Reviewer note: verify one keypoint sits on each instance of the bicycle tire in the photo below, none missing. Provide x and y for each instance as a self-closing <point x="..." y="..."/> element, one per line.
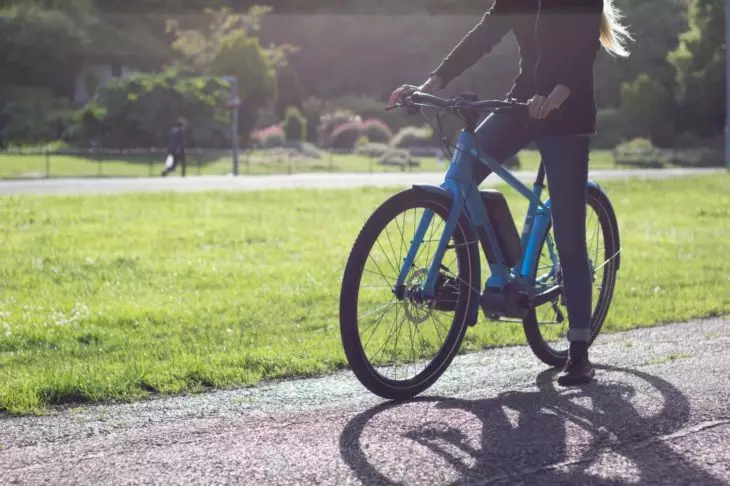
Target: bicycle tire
<point x="467" y="257"/>
<point x="599" y="202"/>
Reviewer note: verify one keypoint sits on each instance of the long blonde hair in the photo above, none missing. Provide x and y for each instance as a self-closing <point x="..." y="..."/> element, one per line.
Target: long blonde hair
<point x="614" y="34"/>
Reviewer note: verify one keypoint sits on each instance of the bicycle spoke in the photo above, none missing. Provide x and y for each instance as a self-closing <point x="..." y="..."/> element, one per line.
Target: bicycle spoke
<point x="377" y="325"/>
<point x="388" y="259"/>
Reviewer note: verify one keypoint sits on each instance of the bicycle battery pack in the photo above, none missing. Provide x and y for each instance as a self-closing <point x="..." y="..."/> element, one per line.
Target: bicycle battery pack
<point x="504" y="226"/>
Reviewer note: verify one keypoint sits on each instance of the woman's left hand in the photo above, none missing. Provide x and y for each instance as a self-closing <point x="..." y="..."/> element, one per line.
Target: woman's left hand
<point x="542" y="106"/>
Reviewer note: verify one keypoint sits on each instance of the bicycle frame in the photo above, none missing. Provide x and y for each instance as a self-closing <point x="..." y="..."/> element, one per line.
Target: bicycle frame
<point x="460" y="186"/>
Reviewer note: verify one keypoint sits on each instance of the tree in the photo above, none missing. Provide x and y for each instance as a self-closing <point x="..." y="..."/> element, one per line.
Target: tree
<point x="295" y="125"/>
<point x="288" y="91"/>
<point x="138" y="111"/>
<point x="229" y="46"/>
<point x="42" y="48"/>
<point x="649" y="107"/>
<point x="700" y="66"/>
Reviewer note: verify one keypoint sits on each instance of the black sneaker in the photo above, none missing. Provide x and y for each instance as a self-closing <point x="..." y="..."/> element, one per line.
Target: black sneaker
<point x="577" y="372"/>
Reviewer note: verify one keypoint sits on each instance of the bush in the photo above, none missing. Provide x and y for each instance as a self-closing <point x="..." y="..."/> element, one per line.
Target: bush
<point x="269" y="137"/>
<point x="295" y="126"/>
<point x="312" y="110"/>
<point x="639" y="152"/>
<point x="138" y="111"/>
<point x="614" y="126"/>
<point x="398" y="158"/>
<point x="410" y="137"/>
<point x="377" y="131"/>
<point x="31" y="116"/>
<point x="330" y="122"/>
<point x="371" y="149"/>
<point x="650" y="106"/>
<point x="346" y="135"/>
<point x="369" y="108"/>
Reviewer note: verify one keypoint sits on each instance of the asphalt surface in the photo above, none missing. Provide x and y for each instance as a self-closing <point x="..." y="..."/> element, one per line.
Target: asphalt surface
<point x="313" y="180"/>
<point x="659" y="413"/>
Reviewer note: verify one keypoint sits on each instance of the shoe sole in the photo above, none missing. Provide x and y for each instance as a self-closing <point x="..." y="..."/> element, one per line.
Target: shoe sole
<point x="568" y="381"/>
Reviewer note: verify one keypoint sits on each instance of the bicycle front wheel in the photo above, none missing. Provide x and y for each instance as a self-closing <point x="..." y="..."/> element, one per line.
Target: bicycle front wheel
<point x="396" y="345"/>
<point x="546" y="327"/>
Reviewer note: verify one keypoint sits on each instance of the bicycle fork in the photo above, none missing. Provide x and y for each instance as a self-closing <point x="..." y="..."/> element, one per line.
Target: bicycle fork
<point x="428" y="288"/>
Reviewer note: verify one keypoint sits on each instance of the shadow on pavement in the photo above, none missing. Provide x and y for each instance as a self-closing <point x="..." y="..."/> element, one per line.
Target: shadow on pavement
<point x="602" y="434"/>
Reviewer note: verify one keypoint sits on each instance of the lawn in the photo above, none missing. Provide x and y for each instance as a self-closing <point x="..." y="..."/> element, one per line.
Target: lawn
<point x="118" y="297"/>
<point x="33" y="166"/>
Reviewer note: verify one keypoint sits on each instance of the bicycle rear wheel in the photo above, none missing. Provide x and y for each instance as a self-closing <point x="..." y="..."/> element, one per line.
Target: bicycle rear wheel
<point x="399" y="346"/>
<point x="546" y="327"/>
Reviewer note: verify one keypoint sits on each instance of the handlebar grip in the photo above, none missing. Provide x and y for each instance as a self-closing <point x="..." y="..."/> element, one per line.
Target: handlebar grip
<point x="420" y="97"/>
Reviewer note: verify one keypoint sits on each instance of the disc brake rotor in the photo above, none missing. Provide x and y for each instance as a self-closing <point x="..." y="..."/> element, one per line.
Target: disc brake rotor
<point x="417" y="310"/>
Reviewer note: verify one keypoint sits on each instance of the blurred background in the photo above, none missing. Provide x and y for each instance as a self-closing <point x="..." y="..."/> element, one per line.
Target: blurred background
<point x="93" y="87"/>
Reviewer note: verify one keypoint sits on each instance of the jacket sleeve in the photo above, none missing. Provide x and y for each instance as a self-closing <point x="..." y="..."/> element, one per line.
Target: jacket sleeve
<point x="577" y="30"/>
<point x="494" y="25"/>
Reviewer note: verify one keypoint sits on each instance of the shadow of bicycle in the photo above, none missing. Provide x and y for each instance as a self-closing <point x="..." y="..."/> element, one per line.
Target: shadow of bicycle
<point x="606" y="433"/>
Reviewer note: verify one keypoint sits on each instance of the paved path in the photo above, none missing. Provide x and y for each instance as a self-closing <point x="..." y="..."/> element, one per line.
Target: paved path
<point x="312" y="180"/>
<point x="658" y="414"/>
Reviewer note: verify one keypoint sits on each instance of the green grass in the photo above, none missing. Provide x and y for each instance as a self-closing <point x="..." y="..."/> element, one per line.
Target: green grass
<point x="31" y="166"/>
<point x="117" y="297"/>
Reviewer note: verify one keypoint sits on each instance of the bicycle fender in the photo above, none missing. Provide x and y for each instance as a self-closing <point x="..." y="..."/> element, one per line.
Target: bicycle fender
<point x="473" y="315"/>
<point x="432" y="189"/>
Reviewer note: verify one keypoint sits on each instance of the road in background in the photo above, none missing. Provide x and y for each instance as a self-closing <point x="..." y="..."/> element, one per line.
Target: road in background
<point x="309" y="180"/>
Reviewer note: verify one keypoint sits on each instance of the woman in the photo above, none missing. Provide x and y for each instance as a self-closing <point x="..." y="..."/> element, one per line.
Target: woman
<point x="558" y="41"/>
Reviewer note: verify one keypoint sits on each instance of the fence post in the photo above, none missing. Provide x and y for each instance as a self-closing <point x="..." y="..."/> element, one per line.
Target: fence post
<point x="200" y="161"/>
<point x="372" y="158"/>
<point x="331" y="168"/>
<point x="291" y="164"/>
<point x="48" y="164"/>
<point x="98" y="159"/>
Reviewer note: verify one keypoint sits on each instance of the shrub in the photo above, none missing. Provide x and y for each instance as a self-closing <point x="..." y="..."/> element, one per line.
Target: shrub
<point x="614" y="126"/>
<point x="368" y="107"/>
<point x="346" y="135"/>
<point x="30" y="116"/>
<point x="312" y="111"/>
<point x="639" y="152"/>
<point x="377" y="131"/>
<point x="269" y="137"/>
<point x="305" y="149"/>
<point x="138" y="111"/>
<point x="398" y="158"/>
<point x="413" y="137"/>
<point x="371" y="149"/>
<point x="295" y="125"/>
<point x="330" y="122"/>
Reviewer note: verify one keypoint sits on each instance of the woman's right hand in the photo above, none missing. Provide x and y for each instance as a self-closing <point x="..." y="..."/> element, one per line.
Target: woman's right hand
<point x="400" y="94"/>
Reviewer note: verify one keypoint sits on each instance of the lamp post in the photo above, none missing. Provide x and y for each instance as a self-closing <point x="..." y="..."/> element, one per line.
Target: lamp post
<point x="234" y="103"/>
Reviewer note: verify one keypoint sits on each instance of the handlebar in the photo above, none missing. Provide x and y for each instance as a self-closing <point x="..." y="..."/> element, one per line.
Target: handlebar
<point x="454" y="104"/>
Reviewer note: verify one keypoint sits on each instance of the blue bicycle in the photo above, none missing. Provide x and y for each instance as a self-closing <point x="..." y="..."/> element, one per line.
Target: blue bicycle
<point x="413" y="282"/>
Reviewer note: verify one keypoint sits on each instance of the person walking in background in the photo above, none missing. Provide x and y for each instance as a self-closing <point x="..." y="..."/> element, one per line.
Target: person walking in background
<point x="175" y="148"/>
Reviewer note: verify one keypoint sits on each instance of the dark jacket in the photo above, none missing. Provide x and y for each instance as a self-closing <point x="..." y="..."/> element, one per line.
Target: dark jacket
<point x="176" y="143"/>
<point x="558" y="41"/>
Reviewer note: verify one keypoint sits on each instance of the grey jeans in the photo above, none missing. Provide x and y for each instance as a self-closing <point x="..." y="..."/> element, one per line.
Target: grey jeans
<point x="566" y="165"/>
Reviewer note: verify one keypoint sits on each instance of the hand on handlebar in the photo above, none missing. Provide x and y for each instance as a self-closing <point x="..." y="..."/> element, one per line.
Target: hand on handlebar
<point x="406" y="90"/>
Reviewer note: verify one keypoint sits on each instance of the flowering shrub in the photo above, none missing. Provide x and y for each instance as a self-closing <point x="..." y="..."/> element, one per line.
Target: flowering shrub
<point x="269" y="137"/>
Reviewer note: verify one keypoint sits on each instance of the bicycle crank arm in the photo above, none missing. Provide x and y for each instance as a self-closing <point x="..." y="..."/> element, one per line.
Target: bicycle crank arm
<point x="546" y="296"/>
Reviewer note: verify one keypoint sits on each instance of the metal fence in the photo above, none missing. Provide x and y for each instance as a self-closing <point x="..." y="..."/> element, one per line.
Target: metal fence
<point x="39" y="164"/>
